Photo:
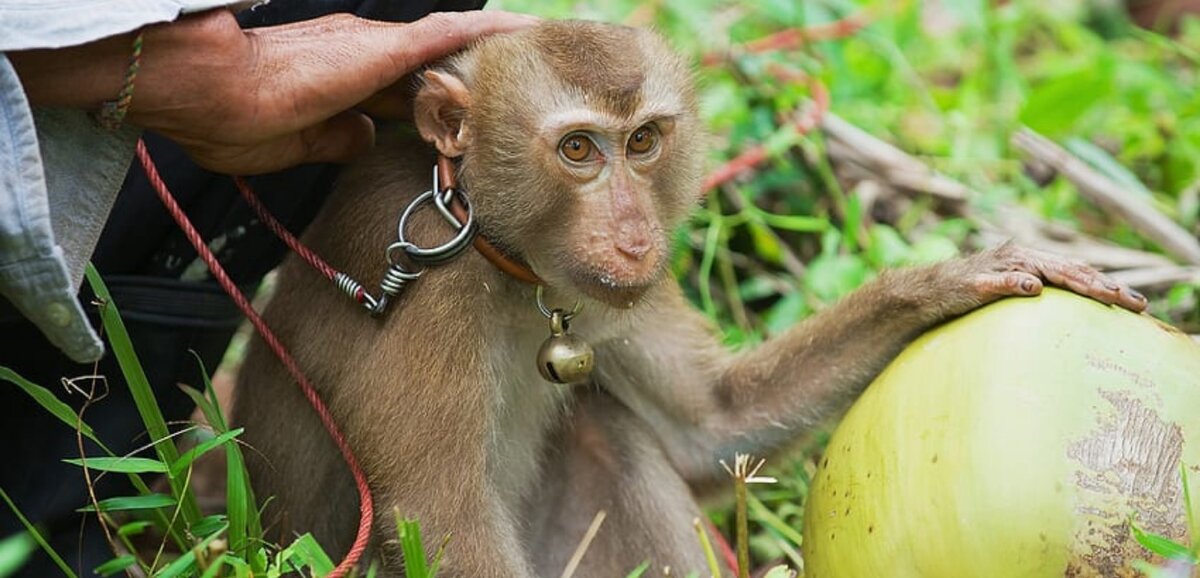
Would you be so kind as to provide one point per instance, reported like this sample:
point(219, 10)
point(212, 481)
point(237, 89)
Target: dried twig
point(1135, 210)
point(1153, 279)
point(805, 121)
point(787, 257)
point(848, 143)
point(866, 155)
point(792, 38)
point(582, 548)
point(1024, 227)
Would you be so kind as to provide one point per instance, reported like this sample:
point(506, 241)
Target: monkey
point(580, 147)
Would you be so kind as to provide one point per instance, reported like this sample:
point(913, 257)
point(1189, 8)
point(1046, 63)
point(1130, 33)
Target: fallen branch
point(1158, 278)
point(792, 38)
point(1026, 228)
point(757, 154)
point(791, 263)
point(848, 143)
point(862, 154)
point(1108, 195)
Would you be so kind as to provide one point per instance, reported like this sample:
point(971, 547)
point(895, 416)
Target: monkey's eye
point(577, 148)
point(643, 140)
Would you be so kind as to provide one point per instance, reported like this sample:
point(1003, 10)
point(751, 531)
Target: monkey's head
point(580, 149)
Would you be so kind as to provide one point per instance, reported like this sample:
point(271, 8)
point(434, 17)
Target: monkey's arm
point(706, 403)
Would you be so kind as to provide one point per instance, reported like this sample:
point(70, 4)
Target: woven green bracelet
point(112, 112)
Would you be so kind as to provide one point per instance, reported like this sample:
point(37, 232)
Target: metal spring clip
point(398, 275)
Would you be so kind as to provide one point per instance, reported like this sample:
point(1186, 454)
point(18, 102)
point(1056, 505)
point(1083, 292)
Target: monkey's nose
point(635, 248)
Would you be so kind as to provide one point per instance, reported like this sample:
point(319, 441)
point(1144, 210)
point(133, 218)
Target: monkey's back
point(293, 461)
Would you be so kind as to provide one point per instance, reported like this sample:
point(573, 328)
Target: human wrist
point(81, 76)
point(111, 114)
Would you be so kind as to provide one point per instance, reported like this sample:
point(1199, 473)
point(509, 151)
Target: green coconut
point(1018, 441)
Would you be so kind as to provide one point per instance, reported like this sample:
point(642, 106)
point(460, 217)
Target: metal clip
point(397, 276)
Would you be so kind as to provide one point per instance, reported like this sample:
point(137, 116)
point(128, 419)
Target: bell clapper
point(563, 358)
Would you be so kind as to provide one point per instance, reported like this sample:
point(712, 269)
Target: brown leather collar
point(506, 264)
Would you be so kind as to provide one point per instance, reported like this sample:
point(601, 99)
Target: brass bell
point(564, 358)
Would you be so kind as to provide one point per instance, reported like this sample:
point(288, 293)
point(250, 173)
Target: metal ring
point(401, 246)
point(549, 313)
point(441, 201)
point(443, 207)
point(446, 251)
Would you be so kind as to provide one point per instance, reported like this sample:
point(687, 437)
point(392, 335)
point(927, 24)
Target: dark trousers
point(170, 307)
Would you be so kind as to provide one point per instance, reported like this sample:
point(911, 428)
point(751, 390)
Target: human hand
point(254, 101)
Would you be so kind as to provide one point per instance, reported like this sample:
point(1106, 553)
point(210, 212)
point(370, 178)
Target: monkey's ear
point(440, 112)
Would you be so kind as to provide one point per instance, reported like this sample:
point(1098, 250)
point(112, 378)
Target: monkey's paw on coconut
point(1018, 441)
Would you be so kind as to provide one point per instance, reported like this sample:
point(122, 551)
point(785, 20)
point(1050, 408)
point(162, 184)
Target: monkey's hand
point(1011, 270)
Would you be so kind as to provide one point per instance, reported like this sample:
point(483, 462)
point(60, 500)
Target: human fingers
point(337, 139)
point(442, 33)
point(343, 60)
point(394, 102)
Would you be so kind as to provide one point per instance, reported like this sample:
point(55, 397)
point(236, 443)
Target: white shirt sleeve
point(27, 24)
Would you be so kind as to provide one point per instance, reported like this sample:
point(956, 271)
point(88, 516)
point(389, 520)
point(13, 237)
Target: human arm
point(253, 101)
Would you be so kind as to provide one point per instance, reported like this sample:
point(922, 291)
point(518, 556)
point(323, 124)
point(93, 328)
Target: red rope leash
point(366, 505)
point(280, 231)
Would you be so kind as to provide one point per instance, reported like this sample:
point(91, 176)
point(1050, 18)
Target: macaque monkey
point(580, 148)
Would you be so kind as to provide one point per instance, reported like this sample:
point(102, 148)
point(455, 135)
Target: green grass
point(189, 544)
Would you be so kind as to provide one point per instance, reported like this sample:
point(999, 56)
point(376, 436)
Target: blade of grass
point(15, 551)
point(409, 532)
point(190, 456)
point(309, 553)
point(714, 568)
point(121, 503)
point(437, 556)
point(143, 395)
point(208, 524)
point(64, 413)
point(188, 560)
point(245, 525)
point(49, 402)
point(1161, 545)
point(764, 515)
point(1193, 531)
point(122, 464)
point(118, 564)
point(712, 239)
point(215, 566)
point(639, 571)
point(37, 537)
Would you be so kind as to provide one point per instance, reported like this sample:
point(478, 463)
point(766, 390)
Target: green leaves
point(1055, 105)
point(14, 551)
point(48, 401)
point(116, 565)
point(142, 502)
point(415, 563)
point(125, 465)
point(1163, 546)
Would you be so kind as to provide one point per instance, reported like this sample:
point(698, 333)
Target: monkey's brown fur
point(440, 399)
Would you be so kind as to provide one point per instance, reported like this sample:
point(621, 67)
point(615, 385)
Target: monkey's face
point(580, 151)
point(605, 202)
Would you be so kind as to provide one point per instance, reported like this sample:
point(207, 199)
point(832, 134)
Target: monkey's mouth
point(621, 289)
point(614, 295)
